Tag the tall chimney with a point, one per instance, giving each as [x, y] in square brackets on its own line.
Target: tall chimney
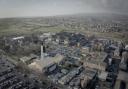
[42, 52]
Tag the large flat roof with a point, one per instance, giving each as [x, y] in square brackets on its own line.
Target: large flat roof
[40, 64]
[123, 76]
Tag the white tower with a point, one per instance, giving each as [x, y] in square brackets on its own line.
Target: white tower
[42, 52]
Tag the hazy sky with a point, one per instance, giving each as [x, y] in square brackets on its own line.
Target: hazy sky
[14, 8]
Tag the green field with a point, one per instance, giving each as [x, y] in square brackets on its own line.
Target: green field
[8, 28]
[20, 31]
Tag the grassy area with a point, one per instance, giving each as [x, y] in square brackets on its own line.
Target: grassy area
[14, 30]
[19, 31]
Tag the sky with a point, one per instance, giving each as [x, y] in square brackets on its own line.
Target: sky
[21, 8]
